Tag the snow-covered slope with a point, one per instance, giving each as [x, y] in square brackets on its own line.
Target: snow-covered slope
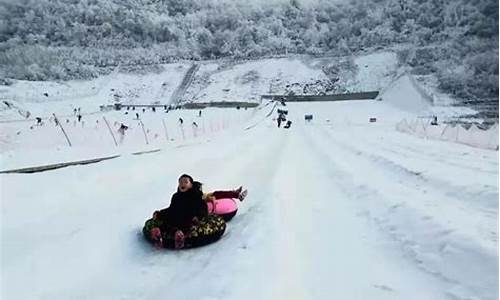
[407, 94]
[23, 143]
[403, 94]
[374, 72]
[247, 81]
[215, 81]
[44, 98]
[338, 208]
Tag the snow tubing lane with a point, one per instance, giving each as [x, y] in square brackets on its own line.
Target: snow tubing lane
[209, 230]
[225, 207]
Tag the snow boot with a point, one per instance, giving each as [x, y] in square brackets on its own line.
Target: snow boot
[243, 195]
[179, 239]
[156, 237]
[238, 190]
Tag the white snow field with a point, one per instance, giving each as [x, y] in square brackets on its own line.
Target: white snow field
[21, 146]
[63, 97]
[246, 81]
[338, 208]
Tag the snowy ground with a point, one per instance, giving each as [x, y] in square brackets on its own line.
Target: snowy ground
[223, 81]
[23, 144]
[63, 97]
[408, 95]
[247, 81]
[338, 208]
[375, 71]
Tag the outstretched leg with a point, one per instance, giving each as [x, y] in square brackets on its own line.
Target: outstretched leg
[225, 194]
[236, 194]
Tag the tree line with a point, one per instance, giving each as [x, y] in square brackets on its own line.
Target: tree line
[455, 40]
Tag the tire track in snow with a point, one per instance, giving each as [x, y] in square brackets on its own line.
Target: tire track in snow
[139, 186]
[234, 245]
[463, 162]
[453, 160]
[437, 251]
[484, 202]
[239, 248]
[323, 250]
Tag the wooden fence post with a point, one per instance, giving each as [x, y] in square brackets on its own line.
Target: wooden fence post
[110, 131]
[144, 131]
[165, 127]
[62, 128]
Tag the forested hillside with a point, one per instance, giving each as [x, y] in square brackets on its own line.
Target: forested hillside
[455, 40]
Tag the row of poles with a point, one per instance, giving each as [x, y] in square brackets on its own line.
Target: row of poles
[59, 124]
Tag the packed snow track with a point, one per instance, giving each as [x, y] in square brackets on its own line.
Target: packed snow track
[338, 208]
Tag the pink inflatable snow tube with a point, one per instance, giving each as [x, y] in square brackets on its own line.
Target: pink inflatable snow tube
[226, 208]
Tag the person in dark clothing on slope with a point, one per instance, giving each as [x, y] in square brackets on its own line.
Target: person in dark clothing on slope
[281, 118]
[186, 208]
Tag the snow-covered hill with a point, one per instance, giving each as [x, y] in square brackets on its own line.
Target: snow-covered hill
[44, 98]
[215, 81]
[23, 142]
[338, 208]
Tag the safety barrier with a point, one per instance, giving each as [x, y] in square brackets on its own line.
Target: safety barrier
[472, 136]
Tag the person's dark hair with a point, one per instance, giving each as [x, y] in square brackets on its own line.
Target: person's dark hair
[196, 184]
[188, 177]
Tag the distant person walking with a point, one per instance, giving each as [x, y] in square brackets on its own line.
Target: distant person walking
[281, 117]
[195, 129]
[121, 132]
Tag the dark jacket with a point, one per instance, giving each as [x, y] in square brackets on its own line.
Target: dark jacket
[184, 206]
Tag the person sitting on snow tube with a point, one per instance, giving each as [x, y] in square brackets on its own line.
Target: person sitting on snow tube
[186, 222]
[221, 202]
